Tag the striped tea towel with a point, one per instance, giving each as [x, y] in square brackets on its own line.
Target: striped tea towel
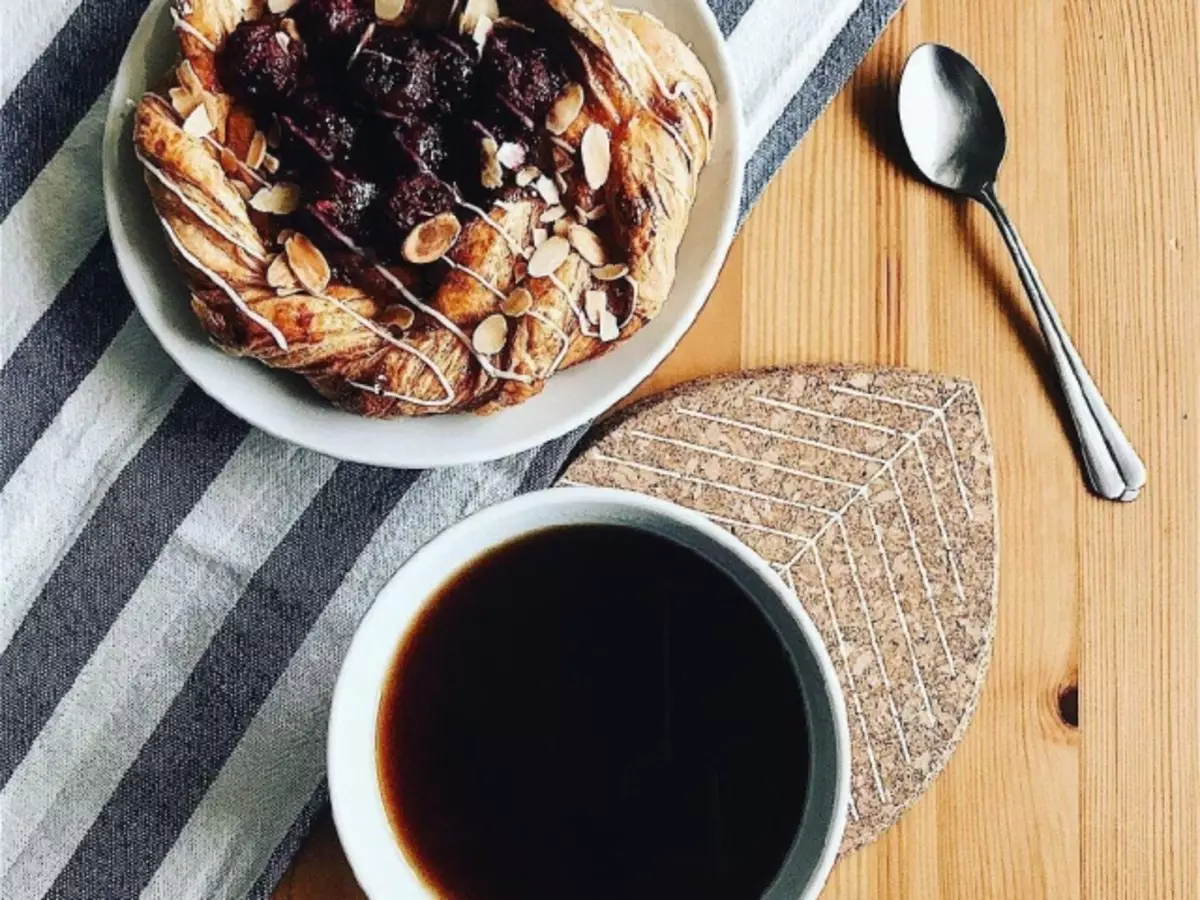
[178, 589]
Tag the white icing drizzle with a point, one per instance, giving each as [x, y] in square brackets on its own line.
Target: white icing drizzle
[208, 138]
[668, 178]
[562, 336]
[450, 326]
[415, 401]
[512, 242]
[583, 320]
[185, 26]
[199, 212]
[220, 282]
[467, 270]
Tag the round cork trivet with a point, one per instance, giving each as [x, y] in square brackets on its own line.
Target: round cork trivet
[871, 492]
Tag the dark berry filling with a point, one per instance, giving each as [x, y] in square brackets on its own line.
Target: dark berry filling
[382, 125]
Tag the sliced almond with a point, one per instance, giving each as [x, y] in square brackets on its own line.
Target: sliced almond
[280, 199]
[490, 174]
[183, 101]
[290, 29]
[198, 124]
[270, 163]
[562, 144]
[611, 272]
[217, 108]
[309, 264]
[280, 6]
[597, 156]
[539, 237]
[389, 10]
[398, 316]
[511, 156]
[609, 330]
[519, 302]
[473, 11]
[593, 303]
[597, 213]
[490, 335]
[244, 190]
[281, 277]
[257, 151]
[188, 79]
[528, 176]
[282, 39]
[547, 258]
[431, 239]
[565, 109]
[562, 227]
[283, 236]
[548, 190]
[588, 245]
[552, 214]
[481, 32]
[561, 183]
[581, 215]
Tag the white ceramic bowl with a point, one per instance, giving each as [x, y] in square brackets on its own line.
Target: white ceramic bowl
[375, 855]
[284, 405]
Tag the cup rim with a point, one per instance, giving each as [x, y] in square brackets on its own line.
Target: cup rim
[359, 814]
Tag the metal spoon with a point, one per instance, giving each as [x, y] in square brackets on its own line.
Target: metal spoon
[955, 134]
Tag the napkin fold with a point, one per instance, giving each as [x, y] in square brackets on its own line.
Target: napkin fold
[177, 588]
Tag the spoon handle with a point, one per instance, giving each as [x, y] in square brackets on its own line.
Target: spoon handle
[1114, 470]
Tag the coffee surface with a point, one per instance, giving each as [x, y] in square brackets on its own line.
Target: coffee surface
[593, 712]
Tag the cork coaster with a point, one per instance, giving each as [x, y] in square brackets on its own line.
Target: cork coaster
[870, 491]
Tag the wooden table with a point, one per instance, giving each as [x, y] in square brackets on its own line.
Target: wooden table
[1080, 775]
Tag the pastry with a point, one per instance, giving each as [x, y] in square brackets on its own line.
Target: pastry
[425, 207]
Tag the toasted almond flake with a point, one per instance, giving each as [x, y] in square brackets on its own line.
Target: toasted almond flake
[561, 183]
[552, 214]
[528, 176]
[511, 156]
[548, 190]
[308, 263]
[519, 302]
[473, 11]
[431, 239]
[271, 163]
[244, 190]
[284, 234]
[280, 199]
[398, 316]
[490, 175]
[183, 101]
[198, 124]
[229, 161]
[593, 302]
[389, 10]
[562, 227]
[597, 156]
[587, 244]
[597, 213]
[611, 272]
[188, 79]
[218, 112]
[539, 237]
[481, 33]
[257, 151]
[563, 161]
[280, 275]
[282, 39]
[280, 6]
[609, 330]
[565, 109]
[490, 335]
[290, 29]
[581, 215]
[547, 258]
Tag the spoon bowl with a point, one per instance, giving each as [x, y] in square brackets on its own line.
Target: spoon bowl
[951, 121]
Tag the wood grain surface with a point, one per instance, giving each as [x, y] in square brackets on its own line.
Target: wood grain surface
[847, 258]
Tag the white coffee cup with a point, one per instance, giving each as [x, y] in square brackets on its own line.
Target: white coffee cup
[372, 847]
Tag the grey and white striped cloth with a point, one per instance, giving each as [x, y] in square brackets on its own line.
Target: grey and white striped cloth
[178, 589]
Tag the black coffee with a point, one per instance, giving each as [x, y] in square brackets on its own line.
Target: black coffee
[594, 712]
